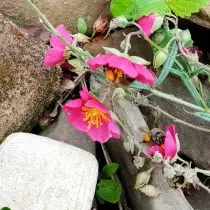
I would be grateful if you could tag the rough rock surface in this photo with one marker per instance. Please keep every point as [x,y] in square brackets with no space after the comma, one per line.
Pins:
[26,88]
[194,143]
[202,18]
[64,12]
[64,132]
[41,173]
[135,123]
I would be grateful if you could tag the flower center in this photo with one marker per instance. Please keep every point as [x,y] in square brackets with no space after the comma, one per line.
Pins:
[94,117]
[114,74]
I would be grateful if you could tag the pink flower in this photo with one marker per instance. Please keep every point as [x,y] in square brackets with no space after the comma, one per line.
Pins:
[171,145]
[89,115]
[150,23]
[123,64]
[55,54]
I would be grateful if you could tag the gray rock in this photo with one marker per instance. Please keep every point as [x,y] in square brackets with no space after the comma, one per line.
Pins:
[63,131]
[134,121]
[64,12]
[40,173]
[194,143]
[26,86]
[139,46]
[199,199]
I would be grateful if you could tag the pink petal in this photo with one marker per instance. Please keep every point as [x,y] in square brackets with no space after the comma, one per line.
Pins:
[145,76]
[53,56]
[124,64]
[114,61]
[56,42]
[96,104]
[99,60]
[72,104]
[170,141]
[84,94]
[114,129]
[146,23]
[156,148]
[100,134]
[75,118]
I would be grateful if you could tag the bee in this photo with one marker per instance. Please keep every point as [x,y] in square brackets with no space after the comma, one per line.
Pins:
[156,136]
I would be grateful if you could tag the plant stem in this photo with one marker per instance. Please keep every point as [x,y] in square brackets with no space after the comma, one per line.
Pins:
[176,119]
[176,100]
[128,38]
[52,29]
[203,186]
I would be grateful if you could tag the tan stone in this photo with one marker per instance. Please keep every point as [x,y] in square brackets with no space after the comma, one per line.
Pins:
[58,11]
[202,18]
[26,88]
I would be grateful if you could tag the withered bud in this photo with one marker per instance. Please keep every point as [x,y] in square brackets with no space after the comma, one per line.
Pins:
[100,25]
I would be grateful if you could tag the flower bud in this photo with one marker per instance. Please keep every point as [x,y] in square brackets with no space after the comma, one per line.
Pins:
[81,38]
[143,178]
[100,25]
[158,23]
[129,146]
[150,191]
[186,36]
[159,36]
[120,21]
[138,161]
[160,57]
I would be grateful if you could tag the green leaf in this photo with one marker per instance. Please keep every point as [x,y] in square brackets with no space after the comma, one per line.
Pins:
[168,64]
[109,190]
[127,8]
[189,85]
[81,26]
[203,115]
[185,8]
[146,7]
[5,208]
[208,100]
[109,169]
[100,200]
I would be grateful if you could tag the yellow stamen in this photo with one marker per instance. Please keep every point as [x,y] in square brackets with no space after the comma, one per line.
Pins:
[147,138]
[114,74]
[94,117]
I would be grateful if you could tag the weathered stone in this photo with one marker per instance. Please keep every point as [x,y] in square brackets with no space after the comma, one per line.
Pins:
[139,46]
[202,18]
[64,12]
[199,199]
[26,88]
[134,121]
[194,143]
[63,131]
[41,173]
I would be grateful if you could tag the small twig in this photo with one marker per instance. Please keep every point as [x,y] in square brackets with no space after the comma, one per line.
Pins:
[176,119]
[128,38]
[76,82]
[115,177]
[203,186]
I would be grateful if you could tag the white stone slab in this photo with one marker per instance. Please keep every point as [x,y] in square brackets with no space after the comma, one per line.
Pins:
[38,173]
